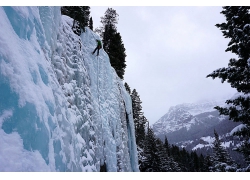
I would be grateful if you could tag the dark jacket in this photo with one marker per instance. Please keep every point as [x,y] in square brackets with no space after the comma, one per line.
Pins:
[99,44]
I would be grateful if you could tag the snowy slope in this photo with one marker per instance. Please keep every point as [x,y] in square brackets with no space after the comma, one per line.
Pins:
[208,142]
[61,108]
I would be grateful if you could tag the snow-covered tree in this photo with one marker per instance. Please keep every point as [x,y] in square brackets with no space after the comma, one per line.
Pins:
[151,159]
[207,164]
[221,161]
[164,164]
[237,28]
[175,167]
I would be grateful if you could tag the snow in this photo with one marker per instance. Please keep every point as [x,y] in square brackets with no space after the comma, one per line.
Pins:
[246,26]
[208,142]
[198,146]
[210,116]
[208,139]
[61,108]
[205,142]
[237,128]
[226,144]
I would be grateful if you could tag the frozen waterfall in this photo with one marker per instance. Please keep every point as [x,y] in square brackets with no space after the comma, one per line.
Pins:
[61,108]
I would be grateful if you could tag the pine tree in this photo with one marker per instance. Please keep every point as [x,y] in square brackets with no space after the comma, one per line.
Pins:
[221,161]
[127,88]
[202,163]
[139,119]
[207,164]
[167,146]
[175,154]
[117,55]
[195,161]
[173,165]
[237,28]
[109,21]
[141,133]
[245,149]
[112,41]
[107,36]
[164,164]
[108,28]
[151,159]
[80,14]
[91,23]
[136,105]
[184,161]
[84,20]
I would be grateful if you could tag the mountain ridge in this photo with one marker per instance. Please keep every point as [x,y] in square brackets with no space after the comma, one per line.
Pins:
[188,120]
[183,115]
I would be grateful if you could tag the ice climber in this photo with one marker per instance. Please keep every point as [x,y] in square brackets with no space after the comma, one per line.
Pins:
[98,47]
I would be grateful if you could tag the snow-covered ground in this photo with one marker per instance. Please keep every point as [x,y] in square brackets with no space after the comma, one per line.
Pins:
[61,108]
[208,142]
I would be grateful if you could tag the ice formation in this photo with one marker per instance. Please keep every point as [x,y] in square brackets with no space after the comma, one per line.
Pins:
[61,108]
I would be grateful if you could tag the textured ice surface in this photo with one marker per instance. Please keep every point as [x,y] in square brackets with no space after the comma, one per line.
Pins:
[61,108]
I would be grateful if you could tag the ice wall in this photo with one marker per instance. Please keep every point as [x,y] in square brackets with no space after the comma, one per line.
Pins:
[61,108]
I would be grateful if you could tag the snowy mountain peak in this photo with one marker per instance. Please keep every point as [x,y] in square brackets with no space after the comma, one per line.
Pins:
[200,107]
[177,114]
[184,116]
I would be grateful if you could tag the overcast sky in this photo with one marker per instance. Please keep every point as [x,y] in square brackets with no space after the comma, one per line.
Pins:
[170,51]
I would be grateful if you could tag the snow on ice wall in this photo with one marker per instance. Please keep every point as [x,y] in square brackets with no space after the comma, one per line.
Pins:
[61,108]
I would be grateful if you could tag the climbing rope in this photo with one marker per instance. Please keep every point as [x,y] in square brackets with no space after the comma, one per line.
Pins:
[98,88]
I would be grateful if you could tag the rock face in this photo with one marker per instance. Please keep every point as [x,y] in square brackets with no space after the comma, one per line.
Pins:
[61,108]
